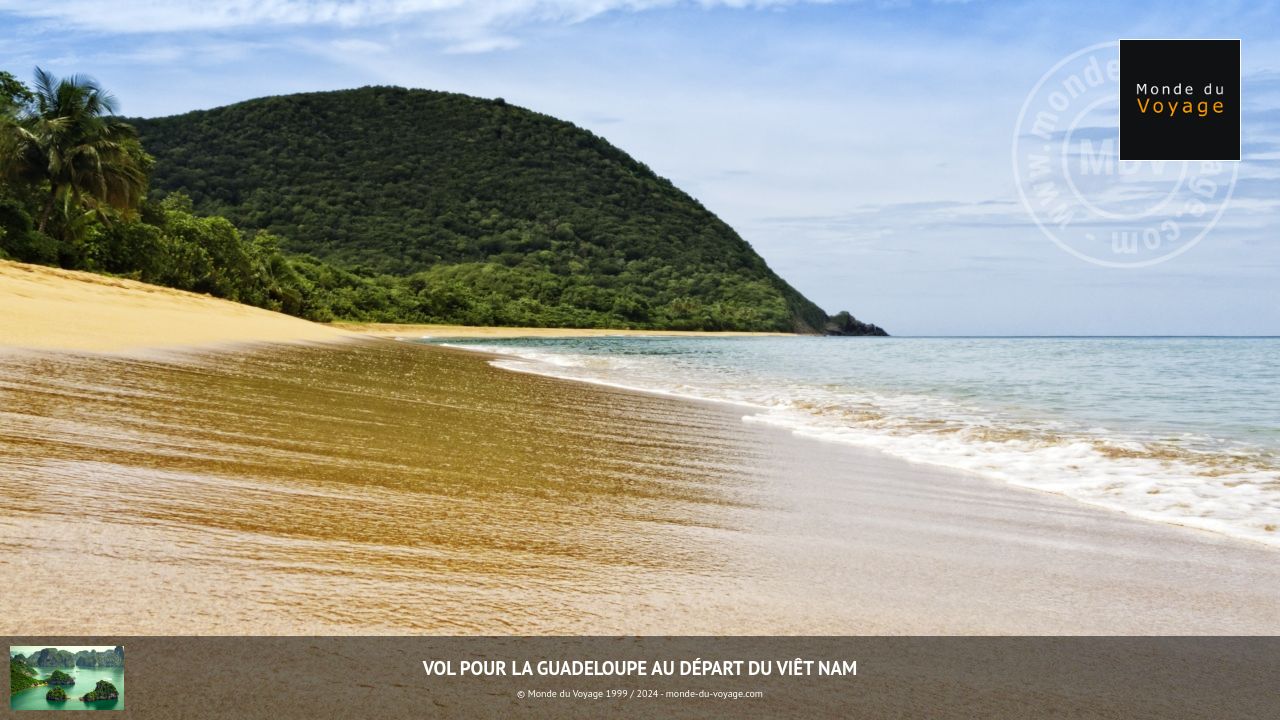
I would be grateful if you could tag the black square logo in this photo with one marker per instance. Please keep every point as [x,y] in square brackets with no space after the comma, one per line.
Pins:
[1179,99]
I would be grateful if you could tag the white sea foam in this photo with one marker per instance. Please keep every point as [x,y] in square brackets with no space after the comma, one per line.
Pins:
[1186,478]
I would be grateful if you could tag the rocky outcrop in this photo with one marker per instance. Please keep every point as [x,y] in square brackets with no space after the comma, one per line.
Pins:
[52,657]
[100,658]
[103,691]
[842,323]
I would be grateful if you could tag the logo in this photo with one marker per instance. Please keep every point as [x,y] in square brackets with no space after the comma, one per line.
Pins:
[1180,99]
[1083,196]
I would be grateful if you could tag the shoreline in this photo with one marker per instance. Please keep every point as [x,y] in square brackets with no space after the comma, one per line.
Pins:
[54,309]
[418,332]
[373,487]
[616,511]
[1111,507]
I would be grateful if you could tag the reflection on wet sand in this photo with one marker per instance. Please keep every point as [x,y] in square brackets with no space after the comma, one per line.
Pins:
[374,487]
[361,486]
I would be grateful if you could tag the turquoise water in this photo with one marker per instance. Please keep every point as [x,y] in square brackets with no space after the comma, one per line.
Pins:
[86,679]
[1181,430]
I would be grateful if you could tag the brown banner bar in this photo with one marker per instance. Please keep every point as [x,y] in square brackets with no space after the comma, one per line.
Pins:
[858,677]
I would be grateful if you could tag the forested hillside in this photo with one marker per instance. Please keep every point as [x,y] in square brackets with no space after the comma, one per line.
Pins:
[484,212]
[377,205]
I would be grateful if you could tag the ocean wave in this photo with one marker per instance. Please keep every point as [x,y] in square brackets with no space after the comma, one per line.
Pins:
[1187,478]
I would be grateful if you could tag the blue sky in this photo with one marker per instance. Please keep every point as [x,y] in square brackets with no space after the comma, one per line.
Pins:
[863,148]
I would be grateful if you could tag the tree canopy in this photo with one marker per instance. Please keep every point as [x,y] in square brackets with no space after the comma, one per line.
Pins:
[104,690]
[21,675]
[376,205]
[65,140]
[496,213]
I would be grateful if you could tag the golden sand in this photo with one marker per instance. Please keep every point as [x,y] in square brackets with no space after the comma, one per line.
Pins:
[371,487]
[466,331]
[54,309]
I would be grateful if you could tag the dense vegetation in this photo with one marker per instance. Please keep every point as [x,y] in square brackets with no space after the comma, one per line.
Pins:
[56,694]
[60,678]
[489,213]
[52,657]
[377,204]
[842,323]
[21,675]
[104,690]
[72,193]
[100,658]
[58,658]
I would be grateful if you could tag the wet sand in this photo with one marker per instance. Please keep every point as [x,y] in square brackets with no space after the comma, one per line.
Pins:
[377,487]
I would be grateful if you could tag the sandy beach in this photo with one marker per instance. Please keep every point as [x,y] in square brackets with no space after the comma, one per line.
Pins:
[394,330]
[57,309]
[375,487]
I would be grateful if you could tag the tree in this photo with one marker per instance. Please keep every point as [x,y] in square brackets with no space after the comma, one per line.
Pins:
[843,323]
[21,676]
[13,94]
[67,140]
[104,690]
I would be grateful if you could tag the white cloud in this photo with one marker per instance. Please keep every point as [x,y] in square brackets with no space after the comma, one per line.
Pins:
[483,44]
[458,26]
[359,46]
[150,16]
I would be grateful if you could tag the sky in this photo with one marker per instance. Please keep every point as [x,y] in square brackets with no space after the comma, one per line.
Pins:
[865,149]
[28,649]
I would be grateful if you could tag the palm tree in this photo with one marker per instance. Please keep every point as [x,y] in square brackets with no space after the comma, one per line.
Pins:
[13,97]
[68,139]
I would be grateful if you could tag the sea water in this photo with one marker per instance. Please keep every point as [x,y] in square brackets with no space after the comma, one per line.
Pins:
[86,680]
[1179,430]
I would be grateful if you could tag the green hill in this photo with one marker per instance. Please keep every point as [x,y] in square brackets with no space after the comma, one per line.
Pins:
[21,676]
[486,212]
